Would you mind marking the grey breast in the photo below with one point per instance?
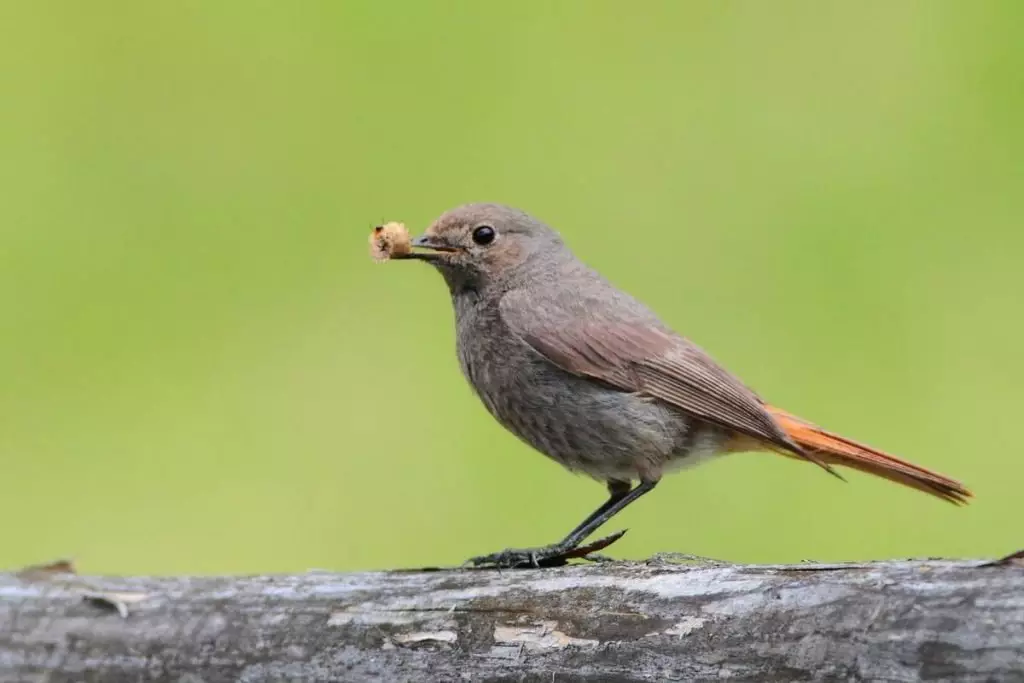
(582, 423)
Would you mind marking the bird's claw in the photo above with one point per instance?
(517, 558)
(555, 555)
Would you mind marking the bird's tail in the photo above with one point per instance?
(837, 450)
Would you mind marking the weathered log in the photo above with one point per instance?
(653, 621)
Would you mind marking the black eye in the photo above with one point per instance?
(483, 235)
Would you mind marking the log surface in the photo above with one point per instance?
(628, 621)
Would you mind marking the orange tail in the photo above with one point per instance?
(837, 450)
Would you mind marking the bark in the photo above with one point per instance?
(645, 621)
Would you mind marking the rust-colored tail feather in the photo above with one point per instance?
(838, 450)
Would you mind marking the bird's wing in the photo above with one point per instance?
(633, 353)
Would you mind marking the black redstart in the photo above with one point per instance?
(589, 376)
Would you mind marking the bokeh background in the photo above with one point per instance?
(202, 371)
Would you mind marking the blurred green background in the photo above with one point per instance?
(201, 369)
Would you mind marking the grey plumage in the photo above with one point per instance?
(572, 365)
(591, 377)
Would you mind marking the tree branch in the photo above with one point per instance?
(654, 621)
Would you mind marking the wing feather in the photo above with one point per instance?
(634, 353)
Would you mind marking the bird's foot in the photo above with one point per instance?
(554, 555)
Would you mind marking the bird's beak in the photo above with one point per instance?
(436, 248)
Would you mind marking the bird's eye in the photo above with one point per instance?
(483, 235)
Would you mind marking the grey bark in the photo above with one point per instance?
(654, 621)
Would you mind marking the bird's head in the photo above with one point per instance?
(483, 246)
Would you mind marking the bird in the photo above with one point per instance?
(589, 376)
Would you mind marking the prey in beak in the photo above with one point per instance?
(391, 241)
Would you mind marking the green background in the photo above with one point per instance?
(202, 371)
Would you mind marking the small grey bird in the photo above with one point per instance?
(589, 376)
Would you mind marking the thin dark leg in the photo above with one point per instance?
(617, 490)
(557, 553)
(613, 507)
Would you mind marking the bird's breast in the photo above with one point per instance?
(582, 423)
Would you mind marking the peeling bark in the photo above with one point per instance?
(655, 621)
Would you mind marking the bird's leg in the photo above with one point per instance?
(617, 490)
(556, 554)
